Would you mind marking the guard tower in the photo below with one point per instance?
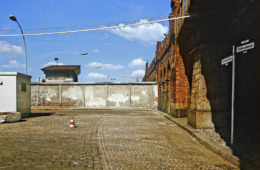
(61, 73)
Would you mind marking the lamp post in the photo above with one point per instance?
(14, 19)
(75, 56)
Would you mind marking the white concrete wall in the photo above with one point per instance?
(142, 96)
(95, 95)
(118, 95)
(23, 97)
(72, 95)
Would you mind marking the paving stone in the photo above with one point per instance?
(105, 139)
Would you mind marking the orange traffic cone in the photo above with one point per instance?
(72, 125)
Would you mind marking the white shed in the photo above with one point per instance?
(15, 93)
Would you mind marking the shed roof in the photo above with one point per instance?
(61, 67)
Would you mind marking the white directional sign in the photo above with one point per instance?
(226, 60)
(245, 47)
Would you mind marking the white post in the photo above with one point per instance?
(233, 96)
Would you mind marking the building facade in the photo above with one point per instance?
(167, 68)
(192, 81)
(187, 63)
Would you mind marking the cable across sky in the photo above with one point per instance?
(96, 29)
(87, 24)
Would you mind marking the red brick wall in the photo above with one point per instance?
(173, 84)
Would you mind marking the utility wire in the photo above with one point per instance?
(95, 29)
(86, 25)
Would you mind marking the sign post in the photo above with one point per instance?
(233, 96)
(225, 61)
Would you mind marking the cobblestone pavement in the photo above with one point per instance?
(102, 139)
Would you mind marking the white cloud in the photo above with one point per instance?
(13, 64)
(146, 32)
(52, 63)
(139, 72)
(105, 66)
(96, 75)
(8, 48)
(96, 51)
(137, 63)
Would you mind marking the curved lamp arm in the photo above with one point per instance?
(15, 20)
(75, 56)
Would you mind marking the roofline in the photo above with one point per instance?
(60, 66)
(14, 74)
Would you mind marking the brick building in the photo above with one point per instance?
(193, 83)
(168, 69)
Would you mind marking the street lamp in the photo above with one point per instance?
(14, 19)
(75, 56)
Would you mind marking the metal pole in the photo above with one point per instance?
(233, 96)
(25, 69)
(71, 58)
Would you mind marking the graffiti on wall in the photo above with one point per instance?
(42, 97)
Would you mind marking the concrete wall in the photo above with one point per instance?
(15, 90)
(95, 95)
(24, 96)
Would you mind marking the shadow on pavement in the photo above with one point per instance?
(41, 114)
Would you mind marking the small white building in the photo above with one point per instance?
(15, 93)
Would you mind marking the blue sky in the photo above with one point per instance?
(119, 52)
